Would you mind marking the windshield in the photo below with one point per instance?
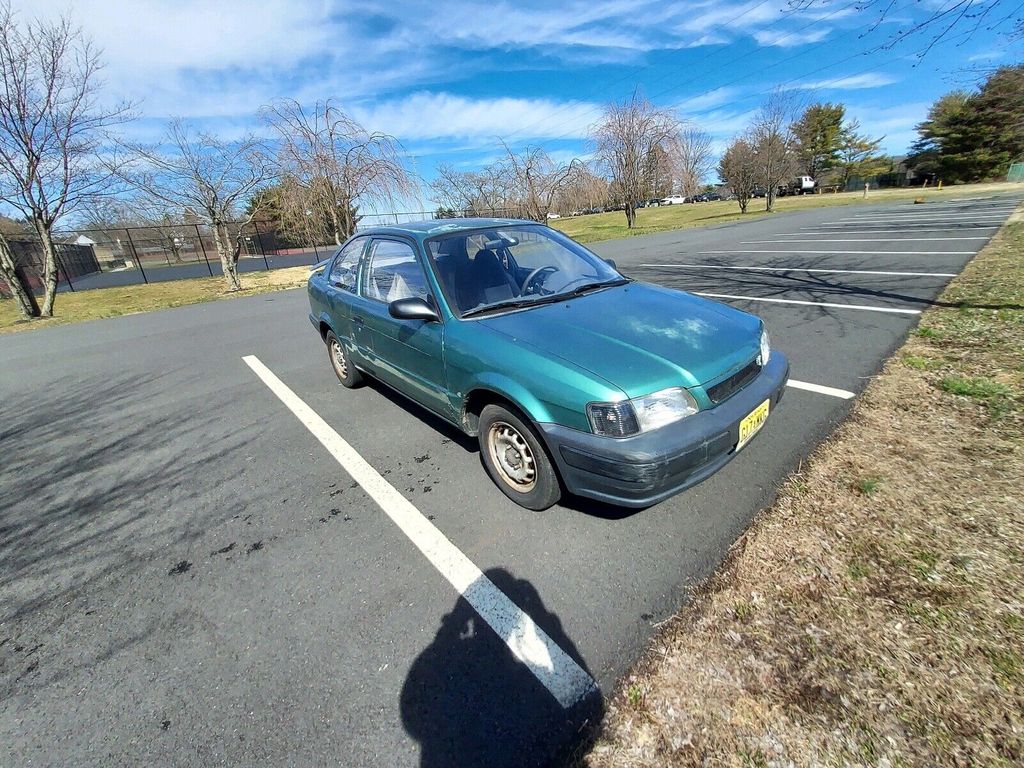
(514, 266)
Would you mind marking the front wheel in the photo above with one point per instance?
(340, 362)
(516, 459)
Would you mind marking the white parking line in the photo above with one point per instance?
(840, 252)
(919, 219)
(531, 645)
(870, 240)
(831, 391)
(863, 307)
(800, 269)
(879, 231)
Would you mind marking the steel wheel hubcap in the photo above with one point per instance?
(511, 455)
(338, 358)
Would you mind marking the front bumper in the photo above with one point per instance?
(643, 470)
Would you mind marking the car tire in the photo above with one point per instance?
(342, 364)
(516, 459)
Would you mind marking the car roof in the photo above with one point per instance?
(425, 229)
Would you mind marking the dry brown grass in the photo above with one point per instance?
(132, 299)
(875, 614)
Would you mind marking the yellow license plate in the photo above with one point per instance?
(751, 423)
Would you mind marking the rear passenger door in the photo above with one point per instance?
(344, 299)
(407, 354)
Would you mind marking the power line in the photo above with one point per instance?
(676, 86)
(631, 76)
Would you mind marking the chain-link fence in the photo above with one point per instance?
(119, 256)
(1016, 172)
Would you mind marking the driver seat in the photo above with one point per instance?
(491, 279)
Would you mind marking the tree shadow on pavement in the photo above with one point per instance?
(105, 492)
(468, 701)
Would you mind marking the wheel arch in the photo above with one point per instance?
(500, 393)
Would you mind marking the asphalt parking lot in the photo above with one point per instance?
(201, 566)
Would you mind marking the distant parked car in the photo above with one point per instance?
(711, 197)
(568, 373)
(760, 192)
(554, 216)
(673, 200)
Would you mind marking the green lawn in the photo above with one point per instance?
(608, 226)
(131, 299)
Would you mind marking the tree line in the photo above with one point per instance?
(974, 135)
(61, 158)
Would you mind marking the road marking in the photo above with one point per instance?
(841, 252)
(810, 303)
(801, 269)
(531, 645)
(880, 231)
(870, 240)
(831, 391)
(919, 219)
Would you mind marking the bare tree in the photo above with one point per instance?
(536, 180)
(51, 128)
(739, 169)
(212, 179)
(473, 192)
(941, 21)
(336, 164)
(625, 138)
(691, 159)
(774, 143)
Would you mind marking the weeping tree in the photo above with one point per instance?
(536, 180)
(330, 165)
(211, 179)
(625, 138)
(52, 125)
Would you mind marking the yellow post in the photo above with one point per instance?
(940, 184)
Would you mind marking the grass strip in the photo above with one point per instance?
(874, 615)
(131, 299)
(606, 226)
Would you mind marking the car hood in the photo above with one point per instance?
(639, 337)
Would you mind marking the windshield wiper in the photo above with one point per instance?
(549, 299)
(587, 287)
(499, 305)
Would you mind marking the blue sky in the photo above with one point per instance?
(448, 78)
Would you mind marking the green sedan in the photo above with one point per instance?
(573, 377)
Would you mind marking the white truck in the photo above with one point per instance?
(802, 185)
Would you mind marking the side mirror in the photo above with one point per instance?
(611, 263)
(413, 309)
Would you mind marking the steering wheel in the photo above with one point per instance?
(530, 278)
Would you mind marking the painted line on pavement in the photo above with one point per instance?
(863, 307)
(844, 231)
(831, 391)
(552, 666)
(801, 269)
(919, 219)
(870, 240)
(841, 252)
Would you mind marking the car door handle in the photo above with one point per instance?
(357, 319)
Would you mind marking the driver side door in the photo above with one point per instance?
(407, 354)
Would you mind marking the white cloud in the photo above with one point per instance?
(426, 116)
(849, 83)
(784, 39)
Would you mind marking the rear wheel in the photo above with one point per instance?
(340, 362)
(516, 459)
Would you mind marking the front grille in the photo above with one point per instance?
(726, 388)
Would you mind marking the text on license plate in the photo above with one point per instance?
(752, 422)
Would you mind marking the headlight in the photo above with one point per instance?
(641, 414)
(766, 348)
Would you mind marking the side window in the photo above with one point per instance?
(394, 273)
(346, 266)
